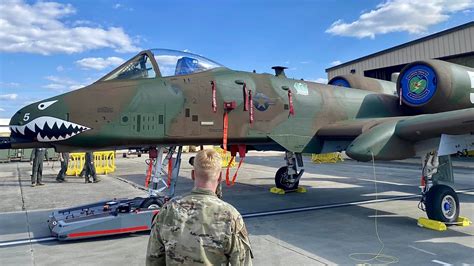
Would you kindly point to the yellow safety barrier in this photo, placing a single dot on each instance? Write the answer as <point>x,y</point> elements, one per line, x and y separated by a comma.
<point>104,162</point>
<point>332,157</point>
<point>225,157</point>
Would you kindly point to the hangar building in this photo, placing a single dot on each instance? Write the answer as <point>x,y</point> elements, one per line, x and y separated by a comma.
<point>455,45</point>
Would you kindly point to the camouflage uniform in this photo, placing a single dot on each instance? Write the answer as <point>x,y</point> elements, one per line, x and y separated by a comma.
<point>37,156</point>
<point>199,229</point>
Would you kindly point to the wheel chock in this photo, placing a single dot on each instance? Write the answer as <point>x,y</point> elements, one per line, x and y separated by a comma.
<point>431,224</point>
<point>301,190</point>
<point>463,221</point>
<point>278,191</point>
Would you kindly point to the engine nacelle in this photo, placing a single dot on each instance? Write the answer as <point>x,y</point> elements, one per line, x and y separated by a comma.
<point>433,86</point>
<point>365,83</point>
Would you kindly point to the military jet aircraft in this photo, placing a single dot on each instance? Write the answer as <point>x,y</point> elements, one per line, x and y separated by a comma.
<point>165,97</point>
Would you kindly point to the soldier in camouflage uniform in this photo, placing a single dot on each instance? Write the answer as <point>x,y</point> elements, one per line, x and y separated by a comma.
<point>200,229</point>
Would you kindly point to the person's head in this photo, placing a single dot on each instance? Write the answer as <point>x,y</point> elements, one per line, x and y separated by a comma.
<point>207,169</point>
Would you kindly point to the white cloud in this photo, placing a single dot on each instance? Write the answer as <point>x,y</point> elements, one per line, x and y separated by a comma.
<point>9,84</point>
<point>414,16</point>
<point>8,97</point>
<point>75,87</point>
<point>320,80</point>
<point>99,63</point>
<point>62,84</point>
<point>55,87</point>
<point>38,28</point>
<point>335,63</point>
<point>121,6</point>
<point>305,62</point>
<point>2,110</point>
<point>59,68</point>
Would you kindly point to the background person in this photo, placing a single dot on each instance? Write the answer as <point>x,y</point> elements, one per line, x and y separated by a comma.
<point>200,228</point>
<point>36,159</point>
<point>64,159</point>
<point>89,168</point>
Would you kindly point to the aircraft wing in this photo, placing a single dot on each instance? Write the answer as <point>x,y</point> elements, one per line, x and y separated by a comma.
<point>397,137</point>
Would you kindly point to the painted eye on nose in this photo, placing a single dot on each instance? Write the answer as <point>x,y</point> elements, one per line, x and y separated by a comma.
<point>45,105</point>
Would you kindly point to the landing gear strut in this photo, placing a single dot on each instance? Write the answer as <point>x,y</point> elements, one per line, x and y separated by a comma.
<point>164,171</point>
<point>439,199</point>
<point>288,177</point>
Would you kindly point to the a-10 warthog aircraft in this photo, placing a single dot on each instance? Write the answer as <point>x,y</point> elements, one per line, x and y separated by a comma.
<point>166,98</point>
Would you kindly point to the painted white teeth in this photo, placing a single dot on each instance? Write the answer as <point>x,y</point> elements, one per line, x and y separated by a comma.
<point>21,130</point>
<point>50,123</point>
<point>40,122</point>
<point>31,126</point>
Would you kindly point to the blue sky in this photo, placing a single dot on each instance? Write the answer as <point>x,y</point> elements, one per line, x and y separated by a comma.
<point>51,47</point>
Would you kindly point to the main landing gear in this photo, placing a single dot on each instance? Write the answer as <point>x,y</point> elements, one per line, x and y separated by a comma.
<point>288,177</point>
<point>439,199</point>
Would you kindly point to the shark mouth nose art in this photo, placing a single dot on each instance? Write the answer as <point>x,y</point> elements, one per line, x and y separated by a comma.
<point>48,129</point>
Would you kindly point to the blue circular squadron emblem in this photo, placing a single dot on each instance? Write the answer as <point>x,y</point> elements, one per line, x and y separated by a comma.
<point>340,82</point>
<point>418,84</point>
<point>261,102</point>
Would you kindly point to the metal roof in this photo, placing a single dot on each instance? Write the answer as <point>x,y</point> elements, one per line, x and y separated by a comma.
<point>398,47</point>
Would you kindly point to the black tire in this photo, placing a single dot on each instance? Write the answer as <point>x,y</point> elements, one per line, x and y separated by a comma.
<point>280,180</point>
<point>442,204</point>
<point>151,203</point>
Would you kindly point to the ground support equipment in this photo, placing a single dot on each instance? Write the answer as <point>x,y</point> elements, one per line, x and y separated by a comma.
<point>280,191</point>
<point>122,215</point>
<point>104,218</point>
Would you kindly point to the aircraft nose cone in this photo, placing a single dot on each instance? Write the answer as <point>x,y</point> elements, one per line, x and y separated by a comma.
<point>42,122</point>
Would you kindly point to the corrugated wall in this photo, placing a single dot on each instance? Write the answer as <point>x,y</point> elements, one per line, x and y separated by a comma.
<point>453,43</point>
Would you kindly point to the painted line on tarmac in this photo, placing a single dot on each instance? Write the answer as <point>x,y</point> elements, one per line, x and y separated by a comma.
<point>26,241</point>
<point>331,206</point>
<point>442,262</point>
<point>422,250</point>
<point>321,207</point>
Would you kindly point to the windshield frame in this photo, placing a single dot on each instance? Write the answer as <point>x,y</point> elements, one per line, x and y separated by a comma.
<point>147,53</point>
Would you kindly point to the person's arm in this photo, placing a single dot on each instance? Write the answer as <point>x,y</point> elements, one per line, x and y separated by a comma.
<point>240,250</point>
<point>46,154</point>
<point>155,254</point>
<point>32,155</point>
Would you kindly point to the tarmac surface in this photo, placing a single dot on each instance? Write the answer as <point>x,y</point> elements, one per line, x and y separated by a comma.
<point>342,224</point>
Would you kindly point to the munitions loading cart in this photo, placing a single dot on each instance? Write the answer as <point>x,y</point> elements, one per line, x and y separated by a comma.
<point>119,216</point>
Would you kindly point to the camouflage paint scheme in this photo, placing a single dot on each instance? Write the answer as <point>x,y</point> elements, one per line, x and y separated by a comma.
<point>177,110</point>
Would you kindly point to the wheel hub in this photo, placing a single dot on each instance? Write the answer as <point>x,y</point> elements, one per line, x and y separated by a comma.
<point>448,206</point>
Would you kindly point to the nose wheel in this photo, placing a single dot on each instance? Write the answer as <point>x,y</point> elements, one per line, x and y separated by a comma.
<point>283,180</point>
<point>288,177</point>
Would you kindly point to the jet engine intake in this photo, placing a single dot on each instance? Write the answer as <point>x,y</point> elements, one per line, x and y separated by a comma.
<point>433,86</point>
<point>364,83</point>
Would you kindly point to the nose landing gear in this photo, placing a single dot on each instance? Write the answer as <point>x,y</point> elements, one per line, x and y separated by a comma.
<point>288,177</point>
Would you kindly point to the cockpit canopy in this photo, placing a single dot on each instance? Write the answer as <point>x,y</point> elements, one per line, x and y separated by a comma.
<point>161,62</point>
